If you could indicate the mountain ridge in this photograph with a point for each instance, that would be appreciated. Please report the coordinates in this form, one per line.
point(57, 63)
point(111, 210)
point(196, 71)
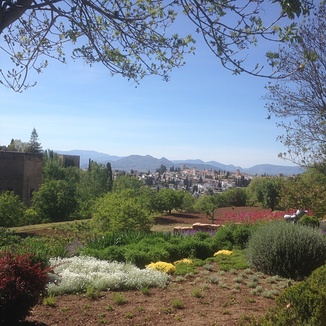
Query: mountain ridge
point(146, 163)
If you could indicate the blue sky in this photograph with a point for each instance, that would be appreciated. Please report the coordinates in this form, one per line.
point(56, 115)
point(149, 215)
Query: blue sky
point(203, 112)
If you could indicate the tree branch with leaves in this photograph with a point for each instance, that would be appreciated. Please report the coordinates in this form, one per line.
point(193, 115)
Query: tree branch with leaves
point(128, 38)
point(138, 38)
point(299, 102)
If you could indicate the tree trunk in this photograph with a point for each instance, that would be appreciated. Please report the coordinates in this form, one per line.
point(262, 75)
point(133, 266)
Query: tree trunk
point(11, 13)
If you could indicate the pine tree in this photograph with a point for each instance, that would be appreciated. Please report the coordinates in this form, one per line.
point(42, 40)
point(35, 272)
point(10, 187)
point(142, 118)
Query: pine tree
point(34, 145)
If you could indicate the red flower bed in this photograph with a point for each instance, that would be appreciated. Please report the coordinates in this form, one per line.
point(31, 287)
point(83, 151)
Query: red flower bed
point(253, 216)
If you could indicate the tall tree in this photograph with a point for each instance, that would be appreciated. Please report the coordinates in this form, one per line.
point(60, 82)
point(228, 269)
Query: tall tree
point(294, 192)
point(124, 182)
point(265, 191)
point(299, 102)
point(34, 145)
point(208, 204)
point(137, 38)
point(169, 199)
point(121, 211)
point(56, 200)
point(235, 197)
point(95, 182)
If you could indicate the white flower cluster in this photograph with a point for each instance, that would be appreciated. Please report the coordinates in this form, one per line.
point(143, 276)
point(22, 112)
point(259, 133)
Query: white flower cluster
point(75, 274)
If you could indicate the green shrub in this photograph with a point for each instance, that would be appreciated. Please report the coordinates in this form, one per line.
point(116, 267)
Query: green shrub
point(11, 209)
point(31, 217)
point(309, 221)
point(56, 200)
point(184, 269)
point(288, 250)
point(301, 304)
point(202, 249)
point(238, 260)
point(43, 248)
point(141, 255)
point(202, 236)
point(122, 238)
point(21, 284)
point(233, 236)
point(138, 257)
point(121, 211)
point(176, 249)
point(200, 246)
point(112, 253)
point(308, 299)
point(223, 238)
point(242, 234)
point(142, 248)
point(8, 238)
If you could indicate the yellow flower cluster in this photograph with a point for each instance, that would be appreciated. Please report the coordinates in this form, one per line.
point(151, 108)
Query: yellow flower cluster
point(184, 261)
point(223, 252)
point(162, 267)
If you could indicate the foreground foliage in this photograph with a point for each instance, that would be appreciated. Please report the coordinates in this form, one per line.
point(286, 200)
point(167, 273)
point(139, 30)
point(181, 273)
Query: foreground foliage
point(75, 275)
point(291, 251)
point(298, 102)
point(21, 284)
point(154, 247)
point(301, 304)
point(136, 39)
point(11, 209)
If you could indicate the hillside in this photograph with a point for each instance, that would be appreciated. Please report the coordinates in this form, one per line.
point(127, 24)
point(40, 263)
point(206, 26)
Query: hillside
point(150, 163)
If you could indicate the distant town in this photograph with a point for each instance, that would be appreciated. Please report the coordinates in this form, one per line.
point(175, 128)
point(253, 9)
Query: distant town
point(193, 180)
point(22, 172)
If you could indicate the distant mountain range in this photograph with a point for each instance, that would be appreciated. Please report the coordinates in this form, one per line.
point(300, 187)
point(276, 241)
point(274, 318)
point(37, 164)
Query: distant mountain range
point(150, 163)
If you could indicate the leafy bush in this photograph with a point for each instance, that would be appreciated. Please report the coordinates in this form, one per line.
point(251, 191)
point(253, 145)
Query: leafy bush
point(112, 253)
point(56, 200)
point(31, 217)
point(21, 284)
point(122, 238)
point(223, 238)
point(309, 221)
point(233, 236)
point(235, 197)
point(202, 249)
point(142, 248)
point(11, 209)
point(121, 211)
point(291, 251)
point(241, 235)
point(301, 304)
point(8, 238)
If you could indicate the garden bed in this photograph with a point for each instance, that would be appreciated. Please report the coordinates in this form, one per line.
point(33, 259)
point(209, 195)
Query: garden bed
point(210, 296)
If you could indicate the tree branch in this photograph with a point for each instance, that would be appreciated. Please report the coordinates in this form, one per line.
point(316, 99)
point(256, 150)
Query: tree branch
point(11, 12)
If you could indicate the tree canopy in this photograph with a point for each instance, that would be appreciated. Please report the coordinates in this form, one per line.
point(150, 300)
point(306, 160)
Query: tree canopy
point(265, 191)
point(299, 101)
point(139, 38)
